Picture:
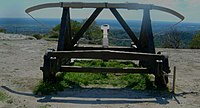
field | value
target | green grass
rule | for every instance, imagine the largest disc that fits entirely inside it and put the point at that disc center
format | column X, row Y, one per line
column 45, row 106
column 3, row 96
column 70, row 80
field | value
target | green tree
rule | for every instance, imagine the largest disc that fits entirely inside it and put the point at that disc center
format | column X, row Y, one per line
column 75, row 26
column 172, row 39
column 93, row 33
column 195, row 43
column 2, row 30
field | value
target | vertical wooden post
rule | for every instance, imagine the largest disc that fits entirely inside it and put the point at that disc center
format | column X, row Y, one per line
column 159, row 76
column 46, row 66
column 53, row 69
column 174, row 80
column 49, row 68
column 65, row 37
column 146, row 34
column 146, row 39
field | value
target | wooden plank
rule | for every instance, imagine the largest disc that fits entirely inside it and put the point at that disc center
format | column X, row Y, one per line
column 129, row 6
column 174, row 80
column 106, row 54
column 104, row 5
column 103, row 69
column 110, row 48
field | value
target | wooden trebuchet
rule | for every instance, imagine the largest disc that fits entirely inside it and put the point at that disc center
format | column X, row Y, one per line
column 52, row 65
column 152, row 63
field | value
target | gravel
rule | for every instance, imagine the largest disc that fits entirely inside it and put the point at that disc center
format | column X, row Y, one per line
column 4, row 36
column 21, row 59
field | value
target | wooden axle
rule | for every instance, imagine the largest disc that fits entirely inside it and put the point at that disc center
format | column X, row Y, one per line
column 103, row 69
column 106, row 54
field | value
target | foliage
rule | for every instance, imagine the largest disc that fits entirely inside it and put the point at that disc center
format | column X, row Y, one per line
column 93, row 33
column 38, row 36
column 195, row 43
column 119, row 37
column 45, row 106
column 2, row 30
column 75, row 26
column 172, row 39
column 70, row 80
column 47, row 88
column 185, row 39
column 3, row 96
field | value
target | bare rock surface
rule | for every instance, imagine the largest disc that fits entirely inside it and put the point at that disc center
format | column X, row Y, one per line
column 20, row 61
column 4, row 36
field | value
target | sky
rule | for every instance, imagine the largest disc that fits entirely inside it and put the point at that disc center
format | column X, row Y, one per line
column 188, row 8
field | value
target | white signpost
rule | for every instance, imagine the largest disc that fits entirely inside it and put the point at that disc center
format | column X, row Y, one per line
column 105, row 28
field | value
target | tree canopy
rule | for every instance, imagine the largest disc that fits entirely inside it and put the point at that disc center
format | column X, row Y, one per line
column 93, row 33
column 172, row 39
column 195, row 43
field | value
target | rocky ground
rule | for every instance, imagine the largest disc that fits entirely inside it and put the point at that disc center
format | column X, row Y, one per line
column 21, row 58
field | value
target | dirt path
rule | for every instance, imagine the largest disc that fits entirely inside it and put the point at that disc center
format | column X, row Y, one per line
column 19, row 73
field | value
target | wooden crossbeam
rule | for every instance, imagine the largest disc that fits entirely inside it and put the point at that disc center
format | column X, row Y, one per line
column 110, row 48
column 129, row 6
column 103, row 69
column 106, row 54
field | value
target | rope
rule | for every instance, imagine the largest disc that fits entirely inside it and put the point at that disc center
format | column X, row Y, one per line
column 41, row 24
column 169, row 28
column 49, row 28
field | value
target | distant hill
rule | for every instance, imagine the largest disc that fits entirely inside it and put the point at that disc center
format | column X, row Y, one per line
column 29, row 26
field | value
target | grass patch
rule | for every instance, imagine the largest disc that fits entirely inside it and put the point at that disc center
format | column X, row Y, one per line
column 45, row 106
column 3, row 96
column 123, row 80
column 38, row 36
column 50, row 39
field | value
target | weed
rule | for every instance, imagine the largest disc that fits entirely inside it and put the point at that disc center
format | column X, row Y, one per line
column 38, row 36
column 10, row 101
column 46, row 106
column 3, row 96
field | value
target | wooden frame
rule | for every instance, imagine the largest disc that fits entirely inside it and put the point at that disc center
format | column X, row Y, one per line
column 156, row 64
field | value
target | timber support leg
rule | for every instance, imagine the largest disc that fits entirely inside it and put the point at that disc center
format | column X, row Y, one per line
column 166, row 68
column 159, row 76
column 49, row 69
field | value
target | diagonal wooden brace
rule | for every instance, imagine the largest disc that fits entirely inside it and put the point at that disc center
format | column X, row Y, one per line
column 86, row 25
column 125, row 26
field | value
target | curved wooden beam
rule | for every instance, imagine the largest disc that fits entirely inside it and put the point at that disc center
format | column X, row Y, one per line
column 129, row 6
column 164, row 9
column 42, row 6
